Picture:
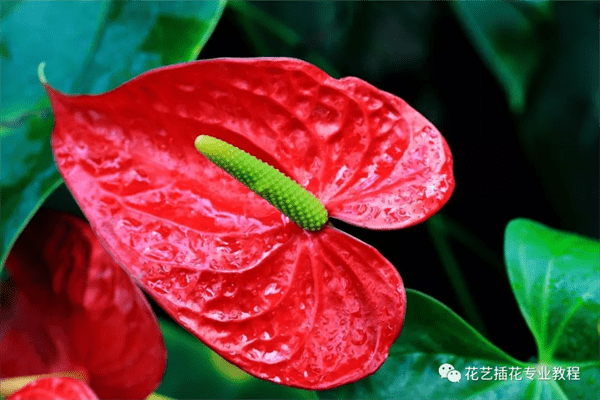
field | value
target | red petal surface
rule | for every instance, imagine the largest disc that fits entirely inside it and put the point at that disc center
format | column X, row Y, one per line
column 316, row 311
column 72, row 308
column 403, row 173
column 56, row 389
column 201, row 243
column 373, row 160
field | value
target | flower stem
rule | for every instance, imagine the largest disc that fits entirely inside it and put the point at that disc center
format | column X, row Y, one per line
column 272, row 25
column 464, row 236
column 451, row 265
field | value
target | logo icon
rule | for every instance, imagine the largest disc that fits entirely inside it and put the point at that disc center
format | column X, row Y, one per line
column 447, row 371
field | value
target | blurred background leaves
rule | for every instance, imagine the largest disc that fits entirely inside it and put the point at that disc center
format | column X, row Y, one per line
column 513, row 87
column 558, row 99
column 508, row 38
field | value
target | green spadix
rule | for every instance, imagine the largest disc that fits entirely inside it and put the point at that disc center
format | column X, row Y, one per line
column 282, row 192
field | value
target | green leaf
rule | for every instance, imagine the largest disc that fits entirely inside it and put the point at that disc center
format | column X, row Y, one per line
column 507, row 36
column 28, row 174
column 88, row 47
column 556, row 279
column 196, row 372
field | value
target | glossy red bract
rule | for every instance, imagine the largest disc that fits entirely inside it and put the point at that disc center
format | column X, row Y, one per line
column 56, row 389
column 70, row 307
column 306, row 309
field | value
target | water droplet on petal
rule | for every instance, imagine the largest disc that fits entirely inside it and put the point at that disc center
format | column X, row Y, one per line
column 265, row 336
column 271, row 289
column 358, row 337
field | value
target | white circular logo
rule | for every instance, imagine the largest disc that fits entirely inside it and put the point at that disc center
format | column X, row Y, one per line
column 454, row 376
column 444, row 369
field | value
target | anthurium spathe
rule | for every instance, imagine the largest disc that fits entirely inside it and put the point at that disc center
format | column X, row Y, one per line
column 69, row 307
column 306, row 309
column 60, row 388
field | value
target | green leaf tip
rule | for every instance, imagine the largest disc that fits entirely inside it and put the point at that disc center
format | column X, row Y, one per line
column 283, row 193
column 40, row 72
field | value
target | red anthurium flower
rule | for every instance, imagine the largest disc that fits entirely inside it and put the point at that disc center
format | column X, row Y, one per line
column 307, row 309
column 55, row 388
column 70, row 307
